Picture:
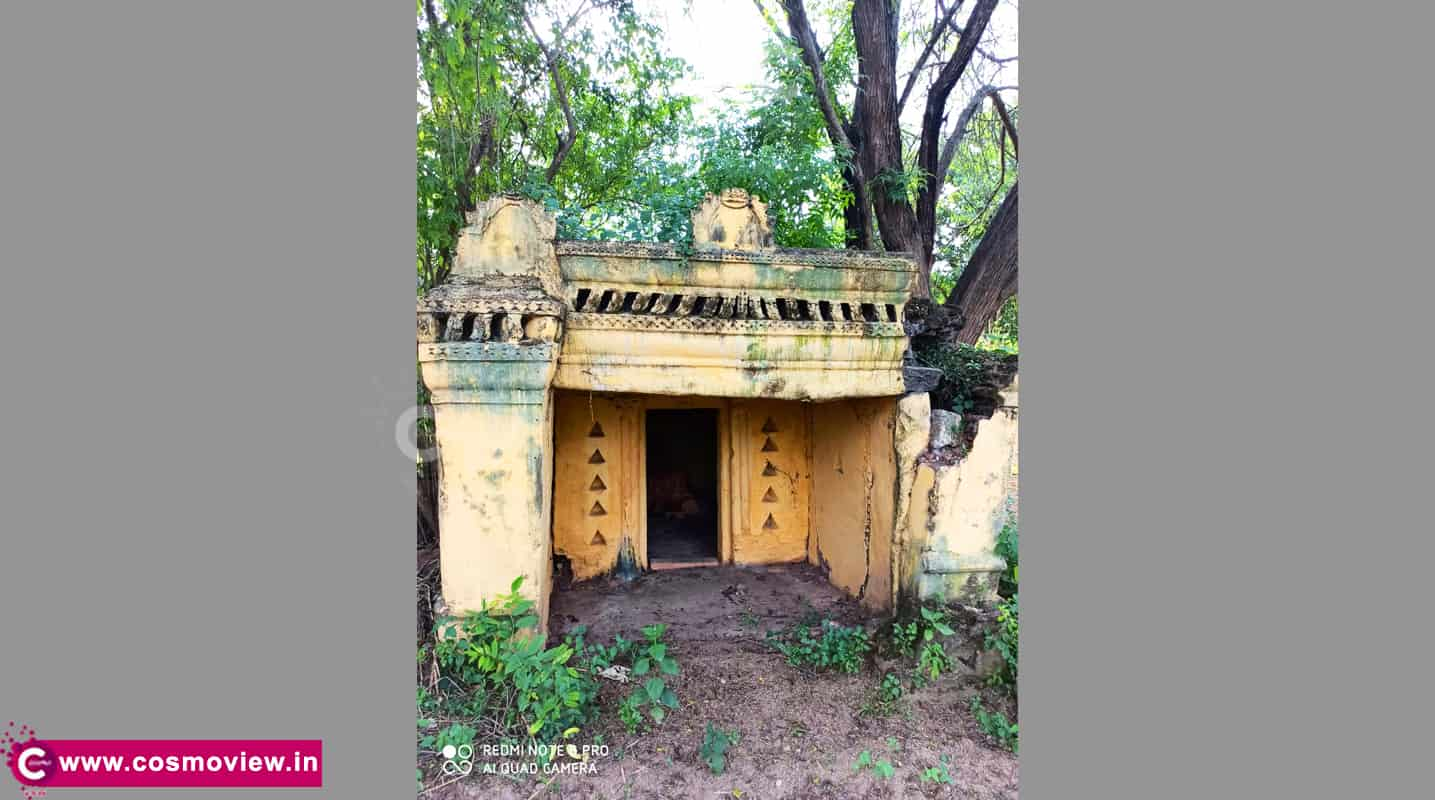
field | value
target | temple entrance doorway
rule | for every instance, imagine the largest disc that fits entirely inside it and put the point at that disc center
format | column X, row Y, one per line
column 682, row 480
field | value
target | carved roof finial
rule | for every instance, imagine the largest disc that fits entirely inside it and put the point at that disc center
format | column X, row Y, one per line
column 732, row 220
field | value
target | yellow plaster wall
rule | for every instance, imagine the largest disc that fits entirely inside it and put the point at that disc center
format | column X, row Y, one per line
column 772, row 465
column 590, row 517
column 495, row 464
column 854, row 484
column 765, row 479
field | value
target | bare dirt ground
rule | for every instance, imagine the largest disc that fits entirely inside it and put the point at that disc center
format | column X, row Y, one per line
column 800, row 732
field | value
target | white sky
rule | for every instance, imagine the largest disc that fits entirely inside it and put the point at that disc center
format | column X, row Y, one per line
column 723, row 40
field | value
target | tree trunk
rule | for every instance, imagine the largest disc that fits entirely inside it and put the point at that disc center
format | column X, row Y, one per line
column 874, row 29
column 989, row 279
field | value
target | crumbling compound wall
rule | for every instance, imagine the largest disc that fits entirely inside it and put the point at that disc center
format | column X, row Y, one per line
column 958, row 504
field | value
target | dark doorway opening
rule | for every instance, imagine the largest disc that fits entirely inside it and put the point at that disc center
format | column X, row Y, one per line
column 682, row 453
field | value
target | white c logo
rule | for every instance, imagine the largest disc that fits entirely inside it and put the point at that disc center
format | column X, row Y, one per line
column 23, row 763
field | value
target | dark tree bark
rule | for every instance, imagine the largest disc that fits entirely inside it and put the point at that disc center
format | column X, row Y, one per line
column 989, row 279
column 874, row 136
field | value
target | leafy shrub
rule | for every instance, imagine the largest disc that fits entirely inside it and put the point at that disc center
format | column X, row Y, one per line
column 881, row 767
column 832, row 647
column 456, row 734
column 505, row 675
column 940, row 773
column 653, row 693
column 1002, row 639
column 995, row 724
column 904, row 635
column 715, row 746
column 885, row 699
column 1007, row 548
column 934, row 661
column 971, row 377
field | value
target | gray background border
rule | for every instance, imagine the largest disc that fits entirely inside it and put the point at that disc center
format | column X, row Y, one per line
column 208, row 329
column 207, row 322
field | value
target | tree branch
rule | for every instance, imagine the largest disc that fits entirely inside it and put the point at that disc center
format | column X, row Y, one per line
column 937, row 31
column 565, row 141
column 807, row 42
column 949, row 150
column 1006, row 121
column 935, row 114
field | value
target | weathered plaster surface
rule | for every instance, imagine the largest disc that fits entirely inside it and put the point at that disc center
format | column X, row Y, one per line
column 958, row 510
column 600, row 490
column 733, row 323
column 911, row 433
column 854, row 475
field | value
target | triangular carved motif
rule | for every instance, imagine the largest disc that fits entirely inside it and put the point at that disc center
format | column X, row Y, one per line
column 598, row 510
column 769, row 426
column 770, row 525
column 769, row 470
column 598, row 539
column 596, row 432
column 597, row 485
column 770, row 497
column 769, row 446
column 597, row 458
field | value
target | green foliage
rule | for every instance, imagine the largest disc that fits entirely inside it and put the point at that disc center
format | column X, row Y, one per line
column 830, row 647
column 652, row 694
column 890, row 689
column 1006, row 547
column 882, row 768
column 1001, row 334
column 982, row 171
column 503, row 672
column 491, row 118
column 457, row 734
column 995, row 724
column 715, row 746
column 1002, row 639
column 933, row 661
column 904, row 634
column 886, row 698
column 941, row 773
column 655, row 654
column 965, row 369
